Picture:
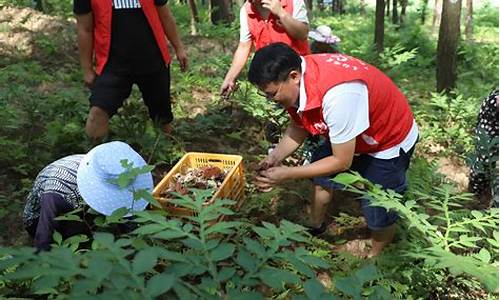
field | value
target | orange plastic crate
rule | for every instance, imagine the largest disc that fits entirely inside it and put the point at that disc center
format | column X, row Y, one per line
column 233, row 186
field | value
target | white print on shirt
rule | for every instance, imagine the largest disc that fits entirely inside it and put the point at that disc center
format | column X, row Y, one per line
column 321, row 127
column 343, row 61
column 368, row 139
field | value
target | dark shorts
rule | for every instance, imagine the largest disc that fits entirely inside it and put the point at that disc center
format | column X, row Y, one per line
column 389, row 173
column 111, row 89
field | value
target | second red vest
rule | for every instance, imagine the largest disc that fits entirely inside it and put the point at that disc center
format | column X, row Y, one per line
column 103, row 11
column 390, row 115
column 265, row 32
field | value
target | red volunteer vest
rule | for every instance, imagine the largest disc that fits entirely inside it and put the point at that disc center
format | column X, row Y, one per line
column 103, row 10
column 265, row 32
column 390, row 115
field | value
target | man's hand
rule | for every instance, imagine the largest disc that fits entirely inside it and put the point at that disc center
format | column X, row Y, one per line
column 89, row 78
column 274, row 6
column 261, row 181
column 227, row 87
column 182, row 58
column 167, row 129
column 267, row 179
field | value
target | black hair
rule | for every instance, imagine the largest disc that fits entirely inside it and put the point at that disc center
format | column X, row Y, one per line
column 273, row 63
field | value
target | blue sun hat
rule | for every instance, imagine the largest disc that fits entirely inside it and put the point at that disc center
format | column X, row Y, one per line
column 103, row 163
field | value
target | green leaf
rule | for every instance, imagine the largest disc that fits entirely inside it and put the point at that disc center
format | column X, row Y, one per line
column 144, row 261
column 169, row 235
column 44, row 283
column 276, row 278
column 86, row 286
column 193, row 244
column 477, row 214
column 159, row 284
column 254, row 246
column 225, row 273
column 98, row 268
column 348, row 178
column 367, row 273
column 222, row 227
column 223, row 251
column 149, row 229
column 57, row 238
column 245, row 260
column 263, row 232
column 484, row 255
column 146, row 196
column 241, row 295
column 313, row 289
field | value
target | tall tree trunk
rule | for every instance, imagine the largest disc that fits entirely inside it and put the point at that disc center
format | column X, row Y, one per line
column 193, row 11
column 321, row 5
column 449, row 34
column 402, row 15
column 394, row 11
column 388, row 12
column 38, row 4
column 362, row 7
column 220, row 12
column 423, row 13
column 379, row 26
column 436, row 18
column 468, row 21
column 309, row 5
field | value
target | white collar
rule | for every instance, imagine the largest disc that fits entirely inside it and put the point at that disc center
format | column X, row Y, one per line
column 302, row 86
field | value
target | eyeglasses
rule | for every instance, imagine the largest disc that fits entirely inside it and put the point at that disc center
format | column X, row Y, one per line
column 272, row 96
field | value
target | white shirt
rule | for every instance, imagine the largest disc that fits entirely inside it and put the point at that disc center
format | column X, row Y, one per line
column 299, row 13
column 345, row 112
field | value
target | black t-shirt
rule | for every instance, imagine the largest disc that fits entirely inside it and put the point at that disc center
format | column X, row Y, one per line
column 133, row 47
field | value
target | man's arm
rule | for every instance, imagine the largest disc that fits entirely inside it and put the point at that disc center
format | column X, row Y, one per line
column 293, row 137
column 239, row 60
column 168, row 23
column 340, row 161
column 296, row 29
column 85, row 35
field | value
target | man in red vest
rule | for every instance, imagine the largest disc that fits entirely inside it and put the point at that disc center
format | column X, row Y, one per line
column 366, row 121
column 263, row 22
column 128, row 42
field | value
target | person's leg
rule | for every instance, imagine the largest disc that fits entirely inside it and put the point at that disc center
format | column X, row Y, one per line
column 52, row 205
column 155, row 89
column 321, row 199
column 108, row 93
column 391, row 174
column 381, row 238
column 97, row 123
column 323, row 192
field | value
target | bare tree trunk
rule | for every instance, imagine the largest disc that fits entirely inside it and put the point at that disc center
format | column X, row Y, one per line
column 388, row 12
column 321, row 5
column 220, row 12
column 379, row 26
column 449, row 35
column 362, row 7
column 402, row 15
column 193, row 11
column 468, row 21
column 436, row 18
column 423, row 13
column 394, row 11
column 309, row 5
column 38, row 4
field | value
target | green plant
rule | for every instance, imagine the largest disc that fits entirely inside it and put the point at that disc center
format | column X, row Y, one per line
column 443, row 231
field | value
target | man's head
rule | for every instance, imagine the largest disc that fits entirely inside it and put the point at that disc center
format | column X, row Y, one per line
column 275, row 70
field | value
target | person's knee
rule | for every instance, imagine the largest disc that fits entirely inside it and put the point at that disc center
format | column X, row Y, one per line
column 97, row 123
